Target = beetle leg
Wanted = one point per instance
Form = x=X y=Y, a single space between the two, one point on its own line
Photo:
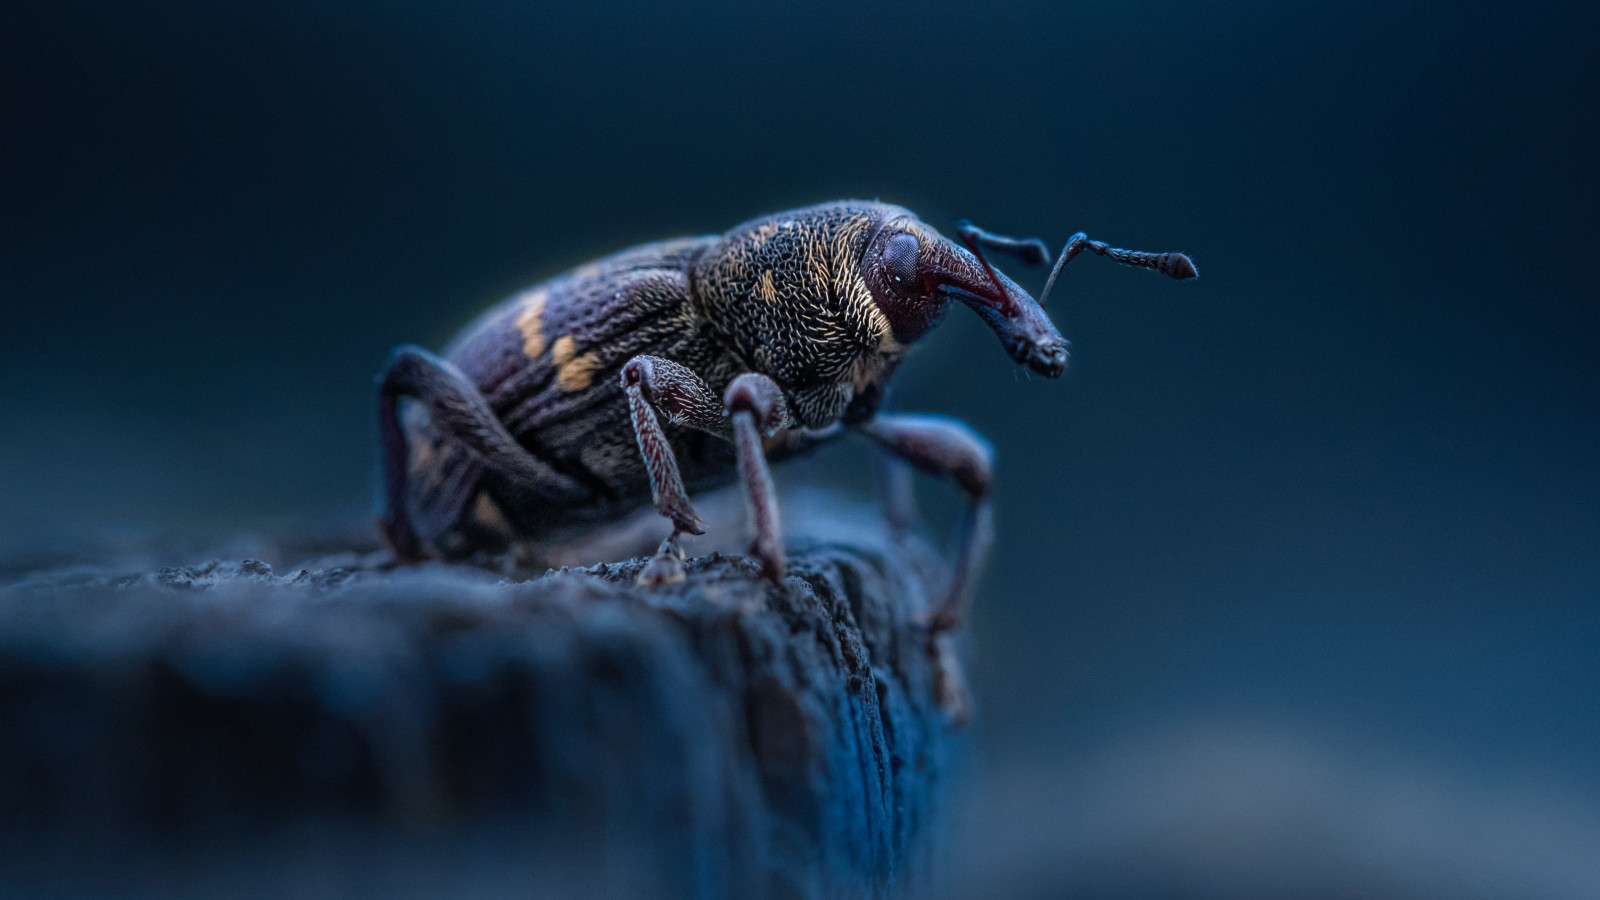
x=666 y=567
x=459 y=411
x=945 y=447
x=395 y=521
x=653 y=383
x=757 y=408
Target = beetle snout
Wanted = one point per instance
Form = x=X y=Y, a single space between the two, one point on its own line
x=1048 y=359
x=1022 y=326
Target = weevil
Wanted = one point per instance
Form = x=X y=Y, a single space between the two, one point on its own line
x=688 y=364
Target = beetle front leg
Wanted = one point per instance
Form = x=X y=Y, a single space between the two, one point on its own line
x=756 y=406
x=653 y=383
x=948 y=448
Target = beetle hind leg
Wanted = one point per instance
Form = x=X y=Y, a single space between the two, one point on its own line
x=460 y=412
x=394 y=523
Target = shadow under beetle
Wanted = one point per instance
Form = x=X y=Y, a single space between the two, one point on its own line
x=688 y=364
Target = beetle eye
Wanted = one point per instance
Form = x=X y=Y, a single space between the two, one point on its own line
x=900 y=260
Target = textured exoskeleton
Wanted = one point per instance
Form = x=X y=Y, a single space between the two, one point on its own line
x=688 y=364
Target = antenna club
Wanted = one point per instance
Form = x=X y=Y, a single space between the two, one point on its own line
x=1178 y=266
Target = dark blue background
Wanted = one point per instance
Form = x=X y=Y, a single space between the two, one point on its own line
x=1343 y=490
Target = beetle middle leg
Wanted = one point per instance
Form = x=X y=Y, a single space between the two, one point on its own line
x=946 y=447
x=757 y=409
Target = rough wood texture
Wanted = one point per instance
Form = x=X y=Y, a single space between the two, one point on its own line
x=571 y=732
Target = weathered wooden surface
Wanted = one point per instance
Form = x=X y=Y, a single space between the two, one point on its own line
x=569 y=733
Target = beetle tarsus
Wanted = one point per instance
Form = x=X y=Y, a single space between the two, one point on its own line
x=666 y=567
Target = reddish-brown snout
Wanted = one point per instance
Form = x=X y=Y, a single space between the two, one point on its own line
x=1017 y=319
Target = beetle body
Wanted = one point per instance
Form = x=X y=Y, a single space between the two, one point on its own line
x=687 y=364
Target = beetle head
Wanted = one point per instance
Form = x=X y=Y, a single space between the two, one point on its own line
x=786 y=291
x=913 y=273
x=830 y=293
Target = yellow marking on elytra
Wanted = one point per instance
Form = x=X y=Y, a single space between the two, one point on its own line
x=575 y=373
x=421 y=454
x=489 y=514
x=528 y=323
x=562 y=351
x=766 y=289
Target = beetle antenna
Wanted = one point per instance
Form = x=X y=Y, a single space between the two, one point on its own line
x=970 y=236
x=1030 y=251
x=1176 y=266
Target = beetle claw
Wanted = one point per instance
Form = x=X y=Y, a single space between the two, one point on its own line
x=660 y=571
x=666 y=567
x=684 y=518
x=402 y=540
x=770 y=558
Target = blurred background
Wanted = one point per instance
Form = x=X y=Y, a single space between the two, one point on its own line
x=1297 y=588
